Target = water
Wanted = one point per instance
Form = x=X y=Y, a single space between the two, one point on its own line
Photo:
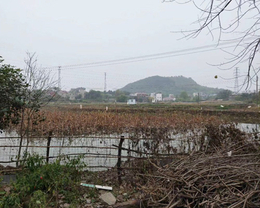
x=94 y=149
x=248 y=128
x=99 y=152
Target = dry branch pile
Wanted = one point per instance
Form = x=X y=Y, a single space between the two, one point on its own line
x=212 y=180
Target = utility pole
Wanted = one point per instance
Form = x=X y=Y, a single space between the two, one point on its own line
x=105 y=82
x=236 y=80
x=59 y=79
x=256 y=84
x=256 y=91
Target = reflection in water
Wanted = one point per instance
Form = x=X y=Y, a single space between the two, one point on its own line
x=99 y=152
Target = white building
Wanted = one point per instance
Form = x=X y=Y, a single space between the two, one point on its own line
x=195 y=94
x=156 y=97
x=63 y=93
x=131 y=102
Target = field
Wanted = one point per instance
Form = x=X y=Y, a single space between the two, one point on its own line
x=193 y=127
x=74 y=120
x=227 y=110
x=175 y=155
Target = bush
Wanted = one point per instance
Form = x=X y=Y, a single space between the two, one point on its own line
x=40 y=182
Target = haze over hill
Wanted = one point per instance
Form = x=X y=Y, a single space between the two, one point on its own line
x=168 y=85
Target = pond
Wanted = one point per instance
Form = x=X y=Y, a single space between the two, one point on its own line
x=100 y=151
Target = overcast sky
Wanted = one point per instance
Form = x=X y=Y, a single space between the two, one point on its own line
x=81 y=32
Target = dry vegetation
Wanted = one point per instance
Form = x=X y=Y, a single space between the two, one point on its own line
x=207 y=180
x=83 y=122
x=220 y=167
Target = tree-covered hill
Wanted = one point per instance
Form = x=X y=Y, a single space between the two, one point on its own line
x=168 y=85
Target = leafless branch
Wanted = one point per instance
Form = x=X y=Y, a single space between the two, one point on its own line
x=215 y=15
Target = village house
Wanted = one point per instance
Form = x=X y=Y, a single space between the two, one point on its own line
x=156 y=97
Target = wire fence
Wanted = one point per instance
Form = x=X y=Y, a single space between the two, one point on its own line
x=99 y=152
x=103 y=152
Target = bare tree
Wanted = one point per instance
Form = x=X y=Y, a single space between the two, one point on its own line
x=36 y=95
x=233 y=20
x=39 y=81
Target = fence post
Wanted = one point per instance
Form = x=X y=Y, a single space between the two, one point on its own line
x=119 y=169
x=48 y=147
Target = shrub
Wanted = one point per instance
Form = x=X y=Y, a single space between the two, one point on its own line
x=40 y=182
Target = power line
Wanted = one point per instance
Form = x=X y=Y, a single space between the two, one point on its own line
x=134 y=61
x=148 y=57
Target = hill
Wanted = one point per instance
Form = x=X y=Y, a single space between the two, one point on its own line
x=168 y=85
